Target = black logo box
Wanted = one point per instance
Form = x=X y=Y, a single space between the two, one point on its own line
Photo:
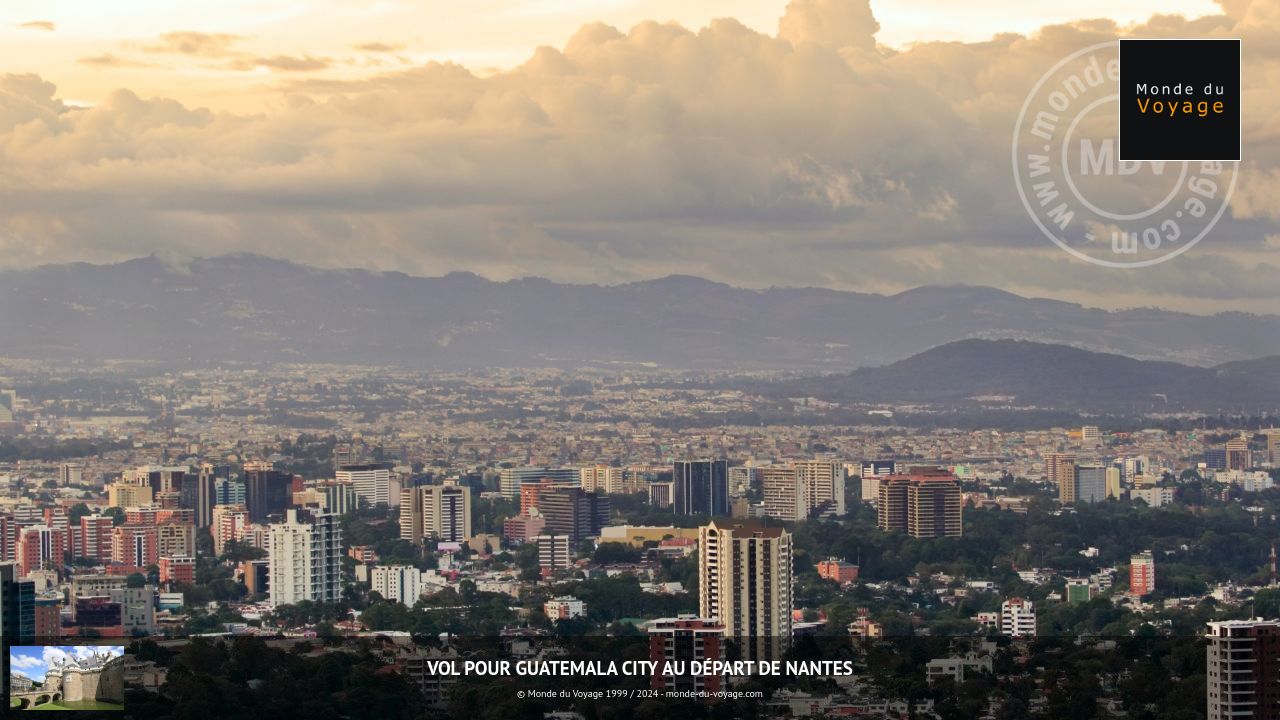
x=1192 y=63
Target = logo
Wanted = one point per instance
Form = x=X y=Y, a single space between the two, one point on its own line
x=1082 y=196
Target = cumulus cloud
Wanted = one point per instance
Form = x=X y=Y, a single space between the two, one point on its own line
x=807 y=157
x=44 y=25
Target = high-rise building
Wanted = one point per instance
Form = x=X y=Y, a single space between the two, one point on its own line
x=305 y=558
x=17 y=615
x=601 y=478
x=1142 y=574
x=511 y=480
x=701 y=487
x=744 y=584
x=1018 y=618
x=398 y=583
x=1091 y=483
x=206 y=495
x=40 y=546
x=870 y=472
x=267 y=491
x=1242 y=672
x=441 y=511
x=662 y=494
x=684 y=639
x=1238 y=454
x=1060 y=472
x=160 y=478
x=135 y=546
x=230 y=522
x=95 y=537
x=554 y=553
x=1273 y=445
x=925 y=504
x=123 y=494
x=1090 y=435
x=175 y=539
x=179 y=569
x=371 y=482
x=70 y=474
x=802 y=490
x=329 y=496
x=573 y=512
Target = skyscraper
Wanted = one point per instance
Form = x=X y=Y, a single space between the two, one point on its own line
x=305 y=559
x=701 y=487
x=1238 y=454
x=745 y=576
x=802 y=490
x=1242 y=670
x=17 y=614
x=206 y=491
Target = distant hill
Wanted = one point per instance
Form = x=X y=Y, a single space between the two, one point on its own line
x=976 y=372
x=247 y=307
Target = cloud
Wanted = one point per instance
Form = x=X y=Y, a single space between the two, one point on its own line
x=199 y=44
x=379 y=47
x=108 y=60
x=44 y=25
x=25 y=662
x=809 y=157
x=283 y=63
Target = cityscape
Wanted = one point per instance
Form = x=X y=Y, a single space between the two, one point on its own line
x=309 y=506
x=614 y=359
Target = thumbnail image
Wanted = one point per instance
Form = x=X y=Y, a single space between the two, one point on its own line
x=66 y=677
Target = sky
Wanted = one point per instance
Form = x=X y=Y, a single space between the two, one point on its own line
x=35 y=660
x=837 y=143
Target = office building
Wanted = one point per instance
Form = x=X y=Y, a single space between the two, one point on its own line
x=371 y=482
x=268 y=492
x=1142 y=574
x=1242 y=670
x=70 y=474
x=1091 y=483
x=1090 y=435
x=701 y=487
x=230 y=522
x=305 y=557
x=1237 y=454
x=801 y=490
x=745 y=584
x=684 y=639
x=574 y=512
x=398 y=583
x=179 y=569
x=175 y=539
x=511 y=480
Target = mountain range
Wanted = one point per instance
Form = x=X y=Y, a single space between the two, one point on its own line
x=253 y=308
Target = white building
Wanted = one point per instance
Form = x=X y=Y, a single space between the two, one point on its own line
x=745 y=584
x=1018 y=618
x=601 y=478
x=372 y=482
x=564 y=608
x=305 y=559
x=401 y=583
